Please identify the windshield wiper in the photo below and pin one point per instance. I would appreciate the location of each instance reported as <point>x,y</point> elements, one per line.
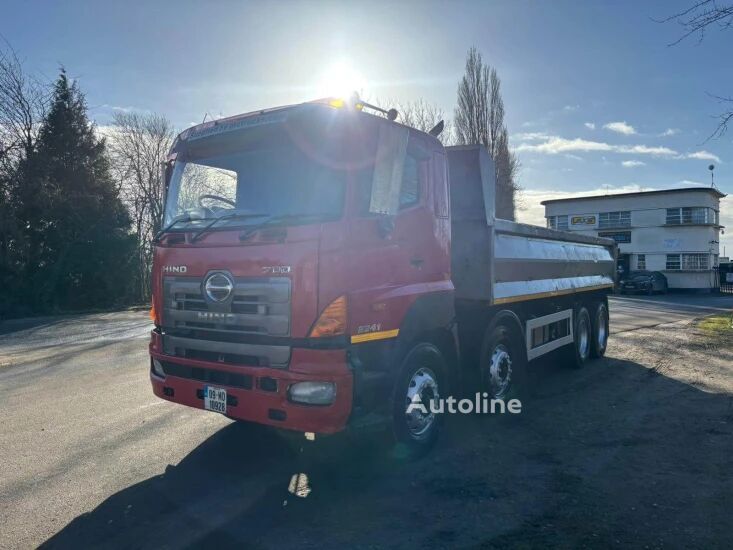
<point>230,216</point>
<point>184,218</point>
<point>281,219</point>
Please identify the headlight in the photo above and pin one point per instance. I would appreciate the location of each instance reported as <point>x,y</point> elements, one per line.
<point>312,393</point>
<point>158,368</point>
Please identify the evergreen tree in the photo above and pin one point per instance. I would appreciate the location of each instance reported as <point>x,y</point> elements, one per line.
<point>78,248</point>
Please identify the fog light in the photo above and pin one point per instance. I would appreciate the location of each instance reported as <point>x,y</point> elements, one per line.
<point>313,393</point>
<point>158,368</point>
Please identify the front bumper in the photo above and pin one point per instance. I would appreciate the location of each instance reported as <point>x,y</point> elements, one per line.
<point>261,394</point>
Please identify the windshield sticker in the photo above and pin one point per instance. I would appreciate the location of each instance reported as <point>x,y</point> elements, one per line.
<point>213,128</point>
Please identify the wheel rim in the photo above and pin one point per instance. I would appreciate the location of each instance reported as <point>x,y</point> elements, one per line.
<point>423,383</point>
<point>500,371</point>
<point>602,328</point>
<point>583,337</point>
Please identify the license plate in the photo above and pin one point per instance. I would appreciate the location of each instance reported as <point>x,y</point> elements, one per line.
<point>215,399</point>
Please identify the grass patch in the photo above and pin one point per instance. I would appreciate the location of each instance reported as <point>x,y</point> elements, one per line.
<point>717,325</point>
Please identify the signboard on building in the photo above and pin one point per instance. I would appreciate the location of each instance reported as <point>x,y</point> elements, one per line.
<point>587,221</point>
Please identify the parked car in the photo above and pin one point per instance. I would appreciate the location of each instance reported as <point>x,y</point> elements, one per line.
<point>644,281</point>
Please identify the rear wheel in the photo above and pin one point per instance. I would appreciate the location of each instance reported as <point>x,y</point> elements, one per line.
<point>422,379</point>
<point>582,330</point>
<point>502,364</point>
<point>600,330</point>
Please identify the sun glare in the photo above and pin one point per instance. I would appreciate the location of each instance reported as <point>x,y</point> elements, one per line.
<point>340,79</point>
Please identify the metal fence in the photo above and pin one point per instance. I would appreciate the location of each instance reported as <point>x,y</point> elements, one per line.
<point>725,278</point>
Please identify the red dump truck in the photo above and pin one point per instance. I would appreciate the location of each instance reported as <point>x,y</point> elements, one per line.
<point>321,265</point>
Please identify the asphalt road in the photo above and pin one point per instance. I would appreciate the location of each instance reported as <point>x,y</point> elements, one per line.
<point>630,312</point>
<point>89,455</point>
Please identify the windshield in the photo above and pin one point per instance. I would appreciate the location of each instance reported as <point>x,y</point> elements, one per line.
<point>280,175</point>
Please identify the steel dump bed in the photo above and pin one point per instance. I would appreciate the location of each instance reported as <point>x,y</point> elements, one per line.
<point>501,261</point>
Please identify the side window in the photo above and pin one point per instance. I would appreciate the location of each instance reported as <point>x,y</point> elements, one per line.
<point>410,192</point>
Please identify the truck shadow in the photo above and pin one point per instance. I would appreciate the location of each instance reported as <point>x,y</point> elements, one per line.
<point>615,453</point>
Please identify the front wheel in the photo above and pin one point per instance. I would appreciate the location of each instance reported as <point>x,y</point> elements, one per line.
<point>600,330</point>
<point>422,380</point>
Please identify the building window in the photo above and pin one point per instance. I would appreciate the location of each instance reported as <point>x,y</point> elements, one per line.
<point>619,237</point>
<point>688,262</point>
<point>558,222</point>
<point>641,262</point>
<point>614,219</point>
<point>673,261</point>
<point>691,215</point>
<point>695,261</point>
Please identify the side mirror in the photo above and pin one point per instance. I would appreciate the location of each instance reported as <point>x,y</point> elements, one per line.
<point>388,165</point>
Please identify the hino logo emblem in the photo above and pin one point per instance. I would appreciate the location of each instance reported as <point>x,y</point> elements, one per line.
<point>218,287</point>
<point>175,269</point>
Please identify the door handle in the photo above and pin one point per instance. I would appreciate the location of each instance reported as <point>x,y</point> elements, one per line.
<point>416,262</point>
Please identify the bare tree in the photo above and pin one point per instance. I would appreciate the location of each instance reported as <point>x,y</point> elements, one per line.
<point>139,144</point>
<point>23,104</point>
<point>479,119</point>
<point>696,20</point>
<point>423,116</point>
<point>507,171</point>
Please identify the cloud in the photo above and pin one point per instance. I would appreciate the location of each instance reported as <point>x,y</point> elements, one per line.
<point>590,125</point>
<point>554,145</point>
<point>571,107</point>
<point>540,142</point>
<point>670,132</point>
<point>621,128</point>
<point>703,155</point>
<point>632,163</point>
<point>107,131</point>
<point>531,136</point>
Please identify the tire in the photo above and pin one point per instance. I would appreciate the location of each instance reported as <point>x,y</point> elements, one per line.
<point>502,365</point>
<point>582,331</point>
<point>423,372</point>
<point>600,330</point>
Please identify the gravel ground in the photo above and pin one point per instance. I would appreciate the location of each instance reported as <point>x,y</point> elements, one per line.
<point>633,450</point>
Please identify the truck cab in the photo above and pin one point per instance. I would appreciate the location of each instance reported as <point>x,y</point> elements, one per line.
<point>303,248</point>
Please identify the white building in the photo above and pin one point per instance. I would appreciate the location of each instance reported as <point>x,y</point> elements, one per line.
<point>675,231</point>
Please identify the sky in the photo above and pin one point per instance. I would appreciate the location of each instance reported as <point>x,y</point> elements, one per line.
<point>596,99</point>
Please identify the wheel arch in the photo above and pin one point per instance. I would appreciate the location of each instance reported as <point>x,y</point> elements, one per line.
<point>511,320</point>
<point>431,319</point>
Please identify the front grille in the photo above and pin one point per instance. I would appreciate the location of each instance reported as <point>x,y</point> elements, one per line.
<point>196,328</point>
